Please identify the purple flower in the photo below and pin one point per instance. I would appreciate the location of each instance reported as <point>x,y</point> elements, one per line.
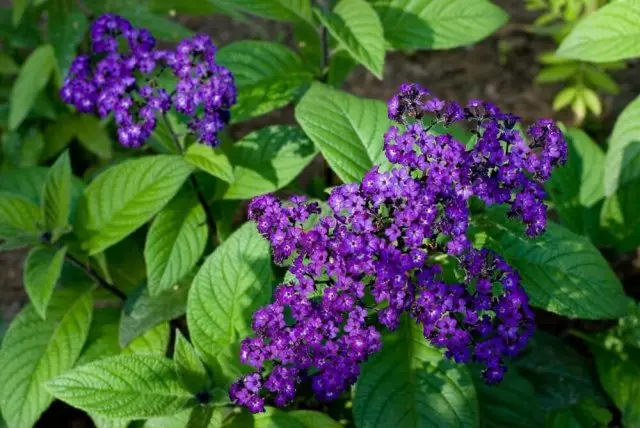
<point>121,77</point>
<point>374,258</point>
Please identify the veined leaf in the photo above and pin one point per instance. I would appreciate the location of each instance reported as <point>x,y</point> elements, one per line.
<point>282,10</point>
<point>210,160</point>
<point>124,386</point>
<point>18,216</point>
<point>411,384</point>
<point>437,24</point>
<point>267,160</point>
<point>175,242</point>
<point>35,351</point>
<point>153,342</point>
<point>268,76</point>
<point>33,77</point>
<point>190,369</point>
<point>609,34</point>
<point>562,272</point>
<point>41,272</point>
<point>348,130</point>
<point>126,196</point>
<point>56,196</point>
<point>355,24</point>
<point>619,160</point>
<point>231,284</point>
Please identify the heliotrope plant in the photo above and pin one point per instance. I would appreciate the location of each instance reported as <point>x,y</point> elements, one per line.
<point>375,257</point>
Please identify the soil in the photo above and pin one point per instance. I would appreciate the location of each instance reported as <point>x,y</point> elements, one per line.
<point>500,69</point>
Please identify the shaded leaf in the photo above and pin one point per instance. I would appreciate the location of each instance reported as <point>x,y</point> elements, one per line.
<point>42,269</point>
<point>210,160</point>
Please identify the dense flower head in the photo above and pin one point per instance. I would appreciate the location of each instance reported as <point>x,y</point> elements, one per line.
<point>122,75</point>
<point>376,258</point>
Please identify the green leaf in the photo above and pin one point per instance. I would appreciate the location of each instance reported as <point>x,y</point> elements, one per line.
<point>601,80</point>
<point>175,242</point>
<point>35,351</point>
<point>587,414</point>
<point>511,403</point>
<point>438,24</point>
<point>124,386</point>
<point>126,196</point>
<point>33,77</point>
<point>561,272</point>
<point>355,24</point>
<point>191,372</point>
<point>32,147</point>
<point>25,182</point>
<point>56,196</point>
<point>268,160</point>
<point>347,129</point>
<point>560,376</point>
<point>18,216</point>
<point>210,160</point>
<point>565,97</point>
<point>409,383</point>
<point>102,340</point>
<point>268,76</point>
<point>312,419</point>
<point>621,154</point>
<point>142,312</point>
<point>162,28</point>
<point>576,189</point>
<point>592,101</point>
<point>557,73</point>
<point>619,371</point>
<point>620,214</point>
<point>609,34</point>
<point>282,10</point>
<point>153,342</point>
<point>272,418</point>
<point>340,66</point>
<point>18,10</point>
<point>67,26</point>
<point>93,136</point>
<point>231,284</point>
<point>8,66</point>
<point>57,136</point>
<point>42,269</point>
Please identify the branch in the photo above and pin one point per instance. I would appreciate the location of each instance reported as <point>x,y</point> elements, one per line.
<point>95,277</point>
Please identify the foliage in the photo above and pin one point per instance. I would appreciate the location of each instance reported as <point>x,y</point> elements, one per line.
<point>143,274</point>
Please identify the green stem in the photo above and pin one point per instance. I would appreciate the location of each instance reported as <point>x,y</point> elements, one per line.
<point>211,222</point>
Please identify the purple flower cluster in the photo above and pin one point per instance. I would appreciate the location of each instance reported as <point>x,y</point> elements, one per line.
<point>376,257</point>
<point>121,77</point>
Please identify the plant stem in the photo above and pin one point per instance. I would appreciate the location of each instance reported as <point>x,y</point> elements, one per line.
<point>324,41</point>
<point>211,222</point>
<point>95,277</point>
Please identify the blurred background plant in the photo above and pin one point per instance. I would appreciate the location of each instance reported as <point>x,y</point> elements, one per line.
<point>583,83</point>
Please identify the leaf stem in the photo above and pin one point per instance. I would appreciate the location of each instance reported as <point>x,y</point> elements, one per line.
<point>95,277</point>
<point>211,222</point>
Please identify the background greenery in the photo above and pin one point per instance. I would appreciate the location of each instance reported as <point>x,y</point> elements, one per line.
<point>130,268</point>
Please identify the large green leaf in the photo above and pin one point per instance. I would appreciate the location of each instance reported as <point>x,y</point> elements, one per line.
<point>411,384</point>
<point>175,242</point>
<point>33,77</point>
<point>124,386</point>
<point>576,189</point>
<point>142,312</point>
<point>283,10</point>
<point>267,160</point>
<point>18,216</point>
<point>231,284</point>
<point>268,76</point>
<point>189,368</point>
<point>35,351</point>
<point>56,196</point>
<point>562,272</point>
<point>437,24</point>
<point>619,370</point>
<point>67,26</point>
<point>620,161</point>
<point>41,272</point>
<point>313,419</point>
<point>511,403</point>
<point>355,24</point>
<point>347,129</point>
<point>126,196</point>
<point>560,376</point>
<point>609,34</point>
<point>208,159</point>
